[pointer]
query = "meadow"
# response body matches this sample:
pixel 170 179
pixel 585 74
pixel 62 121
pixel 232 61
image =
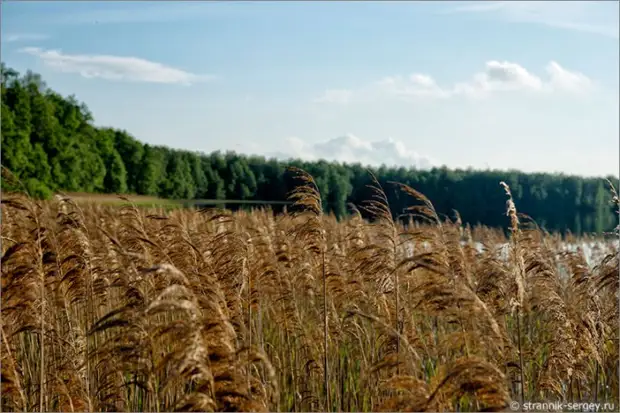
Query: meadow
pixel 127 308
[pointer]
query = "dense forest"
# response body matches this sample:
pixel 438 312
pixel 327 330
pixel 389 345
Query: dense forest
pixel 50 143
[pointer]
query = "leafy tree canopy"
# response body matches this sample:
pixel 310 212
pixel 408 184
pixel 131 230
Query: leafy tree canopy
pixel 50 144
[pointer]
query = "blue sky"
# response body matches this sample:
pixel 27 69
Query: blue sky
pixel 525 85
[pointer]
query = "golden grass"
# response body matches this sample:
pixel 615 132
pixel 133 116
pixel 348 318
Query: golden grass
pixel 133 309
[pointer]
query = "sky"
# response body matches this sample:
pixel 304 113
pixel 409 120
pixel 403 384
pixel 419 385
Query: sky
pixel 531 86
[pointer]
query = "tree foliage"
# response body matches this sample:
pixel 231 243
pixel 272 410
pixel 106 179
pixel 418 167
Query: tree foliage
pixel 49 142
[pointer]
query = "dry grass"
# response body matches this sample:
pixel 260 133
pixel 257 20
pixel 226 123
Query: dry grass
pixel 132 309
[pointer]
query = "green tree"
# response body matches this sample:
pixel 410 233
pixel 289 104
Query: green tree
pixel 131 152
pixel 49 142
pixel 151 172
pixel 178 183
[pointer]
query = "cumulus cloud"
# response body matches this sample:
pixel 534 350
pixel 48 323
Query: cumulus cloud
pixel 506 76
pixel 22 37
pixel 510 77
pixel 497 77
pixel 351 149
pixel 119 68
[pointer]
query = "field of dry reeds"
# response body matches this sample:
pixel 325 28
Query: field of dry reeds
pixel 108 308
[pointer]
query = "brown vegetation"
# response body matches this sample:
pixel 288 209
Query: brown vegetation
pixel 132 309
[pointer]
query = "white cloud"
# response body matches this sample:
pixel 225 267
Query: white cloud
pixel 563 79
pixel 351 149
pixel 23 37
pixel 586 16
pixel 122 68
pixel 497 77
pixel 507 76
pixel 415 85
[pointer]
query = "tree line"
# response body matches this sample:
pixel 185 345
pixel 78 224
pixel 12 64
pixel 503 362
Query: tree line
pixel 50 143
